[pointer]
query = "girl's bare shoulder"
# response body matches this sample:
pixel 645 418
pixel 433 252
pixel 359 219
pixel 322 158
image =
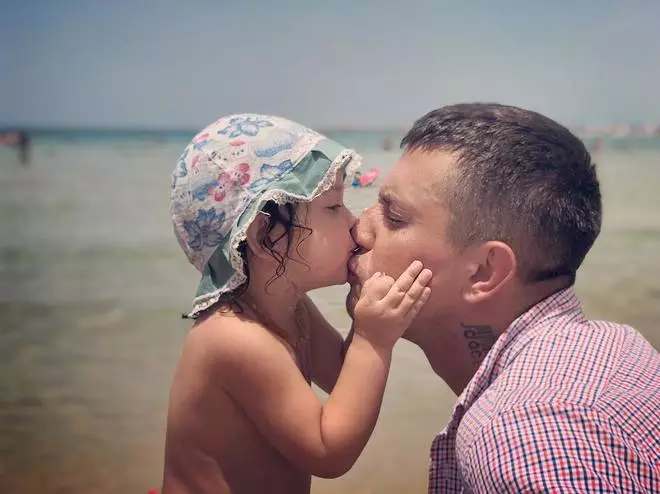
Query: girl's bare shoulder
pixel 230 339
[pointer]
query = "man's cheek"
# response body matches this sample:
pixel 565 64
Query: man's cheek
pixel 394 264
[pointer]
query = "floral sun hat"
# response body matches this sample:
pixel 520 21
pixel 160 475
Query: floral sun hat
pixel 226 175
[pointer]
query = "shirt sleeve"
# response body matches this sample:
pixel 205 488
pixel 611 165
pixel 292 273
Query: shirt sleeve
pixel 550 448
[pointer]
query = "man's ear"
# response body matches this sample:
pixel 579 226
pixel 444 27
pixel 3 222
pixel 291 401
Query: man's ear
pixel 255 233
pixel 491 266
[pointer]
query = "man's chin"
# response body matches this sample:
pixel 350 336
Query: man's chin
pixel 352 299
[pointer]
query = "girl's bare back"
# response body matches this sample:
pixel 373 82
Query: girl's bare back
pixel 212 446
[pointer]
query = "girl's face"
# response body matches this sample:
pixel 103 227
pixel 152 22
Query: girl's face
pixel 319 258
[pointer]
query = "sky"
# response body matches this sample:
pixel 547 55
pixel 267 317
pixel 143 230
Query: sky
pixel 340 64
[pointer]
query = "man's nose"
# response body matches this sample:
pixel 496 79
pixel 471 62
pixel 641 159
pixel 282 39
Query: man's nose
pixel 362 231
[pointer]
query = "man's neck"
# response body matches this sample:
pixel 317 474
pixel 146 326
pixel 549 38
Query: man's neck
pixel 456 350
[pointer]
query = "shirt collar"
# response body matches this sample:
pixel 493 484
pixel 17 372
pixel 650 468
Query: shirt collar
pixel 516 337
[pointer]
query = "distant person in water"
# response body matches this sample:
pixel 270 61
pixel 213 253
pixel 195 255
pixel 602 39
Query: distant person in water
pixel 257 206
pixel 20 140
pixel 503 204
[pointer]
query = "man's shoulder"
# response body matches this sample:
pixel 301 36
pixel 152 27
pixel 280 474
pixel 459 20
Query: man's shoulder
pixel 574 363
pixel 551 447
pixel 597 365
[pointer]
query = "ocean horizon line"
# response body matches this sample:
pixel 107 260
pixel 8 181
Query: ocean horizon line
pixel 109 129
pixel 166 133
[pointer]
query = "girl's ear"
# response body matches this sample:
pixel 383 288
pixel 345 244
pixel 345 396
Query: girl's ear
pixel 255 232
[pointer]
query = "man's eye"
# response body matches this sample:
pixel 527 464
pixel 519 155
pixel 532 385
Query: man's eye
pixel 391 221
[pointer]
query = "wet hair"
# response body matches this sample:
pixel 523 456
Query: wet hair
pixel 286 216
pixel 520 178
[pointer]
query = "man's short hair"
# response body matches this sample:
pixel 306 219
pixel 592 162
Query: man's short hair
pixel 520 178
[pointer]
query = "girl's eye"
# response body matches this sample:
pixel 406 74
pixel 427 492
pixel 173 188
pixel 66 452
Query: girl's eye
pixel 336 207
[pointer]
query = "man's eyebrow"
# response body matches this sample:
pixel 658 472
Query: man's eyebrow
pixel 387 198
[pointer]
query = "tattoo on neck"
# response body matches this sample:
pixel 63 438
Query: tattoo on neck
pixel 480 340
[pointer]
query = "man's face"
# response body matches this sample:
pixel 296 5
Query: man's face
pixel 409 222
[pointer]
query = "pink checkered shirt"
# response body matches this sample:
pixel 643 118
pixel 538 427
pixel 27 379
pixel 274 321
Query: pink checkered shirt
pixel 559 404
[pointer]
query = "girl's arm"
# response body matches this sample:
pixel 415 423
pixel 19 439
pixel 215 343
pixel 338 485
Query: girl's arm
pixel 327 348
pixel 324 440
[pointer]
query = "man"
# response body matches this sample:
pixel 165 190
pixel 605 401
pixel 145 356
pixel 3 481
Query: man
pixel 503 204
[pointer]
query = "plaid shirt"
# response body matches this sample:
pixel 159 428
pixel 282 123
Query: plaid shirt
pixel 559 404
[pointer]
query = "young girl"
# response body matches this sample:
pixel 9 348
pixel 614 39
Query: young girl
pixel 257 206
